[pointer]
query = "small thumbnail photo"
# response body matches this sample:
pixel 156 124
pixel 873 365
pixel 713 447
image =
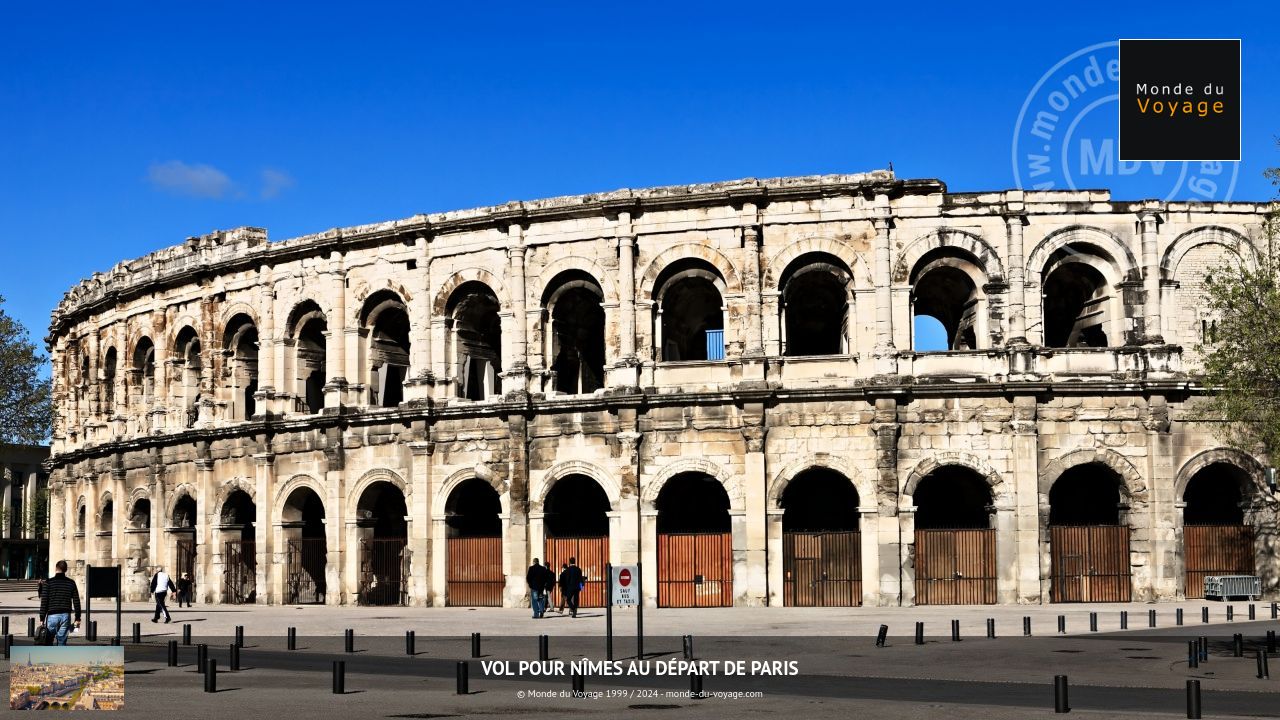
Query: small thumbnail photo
pixel 66 678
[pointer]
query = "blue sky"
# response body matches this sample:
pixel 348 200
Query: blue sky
pixel 125 128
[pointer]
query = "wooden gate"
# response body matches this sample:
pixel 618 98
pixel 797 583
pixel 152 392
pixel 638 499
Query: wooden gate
pixel 695 570
pixel 474 577
pixel 384 571
pixel 239 571
pixel 1090 563
pixel 185 560
pixel 1216 550
pixel 822 569
pixel 304 581
pixel 956 567
pixel 592 553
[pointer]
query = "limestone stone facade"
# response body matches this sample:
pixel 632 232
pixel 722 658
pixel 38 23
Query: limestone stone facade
pixel 222 399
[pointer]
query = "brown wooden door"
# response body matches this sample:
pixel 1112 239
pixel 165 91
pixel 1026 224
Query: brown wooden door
pixel 956 567
pixel 384 571
pixel 239 570
pixel 474 576
pixel 822 569
pixel 695 570
pixel 592 554
pixel 1090 563
pixel 1216 550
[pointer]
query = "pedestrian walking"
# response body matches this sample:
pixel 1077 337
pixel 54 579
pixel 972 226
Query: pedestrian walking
pixel 61 598
pixel 161 585
pixel 536 580
pixel 185 588
pixel 572 580
pixel 563 568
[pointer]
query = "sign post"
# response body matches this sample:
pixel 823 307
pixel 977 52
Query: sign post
pixel 624 591
pixel 102 582
pixel 608 612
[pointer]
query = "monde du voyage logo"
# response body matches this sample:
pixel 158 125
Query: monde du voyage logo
pixel 1180 100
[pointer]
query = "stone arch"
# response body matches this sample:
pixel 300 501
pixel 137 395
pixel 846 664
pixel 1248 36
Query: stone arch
pixel 1121 255
pixel 1001 491
pixel 171 503
pixel 136 495
pixel 1133 486
pixel 1242 460
pixel 375 475
pixel 300 310
pixel 816 244
pixel 227 488
pixel 177 327
pixel 1205 235
pixel 706 253
pixel 813 461
pixel 465 275
pixel 286 489
pixel 80 512
pixel 572 262
pixel 238 307
pixel 560 470
pixel 731 483
pixel 982 251
pixel 363 291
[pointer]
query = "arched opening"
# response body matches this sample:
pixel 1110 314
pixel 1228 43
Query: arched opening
pixel 240 343
pixel 576 519
pixel 385 321
pixel 303 526
pixel 1088 542
pixel 955 543
pixel 690 322
pixel 183 530
pixel 695 543
pixel 821 545
pixel 816 306
pixel 945 288
pixel 188 368
pixel 309 331
pixel 574 328
pixel 140 516
pixel 137 535
pixel 143 373
pixel 1216 539
pixel 239 548
pixel 106 531
pixel 1078 300
pixel 382 529
pixel 109 363
pixel 474 574
pixel 476 332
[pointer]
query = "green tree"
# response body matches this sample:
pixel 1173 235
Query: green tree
pixel 1242 352
pixel 26 410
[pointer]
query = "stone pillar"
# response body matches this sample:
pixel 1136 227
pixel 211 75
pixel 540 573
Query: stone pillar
pixel 1016 305
pixel 751 286
pixel 339 348
pixel 626 544
pixel 57 520
pixel 627 293
pixel 421 590
pixel 418 384
pixel 775 572
pixel 1149 218
pixel 517 362
pixel 91 551
pixel 1163 517
pixel 341 568
pixel 906 559
pixel 886 355
pixel 270 349
pixel 517 536
pixel 269 578
pixel 1006 526
pixel 756 479
pixel 158 539
pixel 1025 478
pixel 869 529
pixel 208 554
pixel 892 535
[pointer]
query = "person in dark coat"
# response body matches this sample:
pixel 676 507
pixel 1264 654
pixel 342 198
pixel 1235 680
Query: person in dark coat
pixel 571 582
pixel 185 587
pixel 537 583
pixel 61 598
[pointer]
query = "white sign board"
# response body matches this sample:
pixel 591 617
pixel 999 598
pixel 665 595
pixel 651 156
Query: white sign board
pixel 626 582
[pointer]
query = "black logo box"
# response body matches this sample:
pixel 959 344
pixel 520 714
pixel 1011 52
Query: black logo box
pixel 1161 77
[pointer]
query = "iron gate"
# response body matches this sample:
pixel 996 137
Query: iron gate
pixel 305 566
pixel 1090 563
pixel 695 570
pixel 384 571
pixel 185 560
pixel 1216 550
pixel 474 577
pixel 239 571
pixel 822 569
pixel 592 553
pixel 956 567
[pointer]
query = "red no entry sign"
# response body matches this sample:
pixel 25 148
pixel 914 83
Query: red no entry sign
pixel 624 577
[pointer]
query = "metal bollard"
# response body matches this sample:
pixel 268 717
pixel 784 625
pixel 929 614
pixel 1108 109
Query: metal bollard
pixel 31 627
pixel 1204 649
pixel 293 638
pixel 463 688
pixel 579 684
pixel 1093 622
pixel 4 625
pixel 349 640
pixel 1263 671
pixel 1231 613
pixel 991 627
pixel 92 635
pixel 1151 618
pixel 1253 612
pixel 1204 614
pixel 239 636
pixel 544 648
pixel 695 685
pixel 1179 616
pixel 1060 704
pixel 687 646
pixel 1271 641
pixel 1062 624
pixel 1193 654
pixel 211 676
pixel 1237 645
pixel 919 633
pixel 1026 625
pixel 8 642
pixel 1275 609
pixel 137 633
pixel 234 661
pixel 186 634
pixel 955 631
pixel 475 645
pixel 1193 698
pixel 173 653
pixel 339 677
pixel 202 657
pixel 880 636
pixel 1124 619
